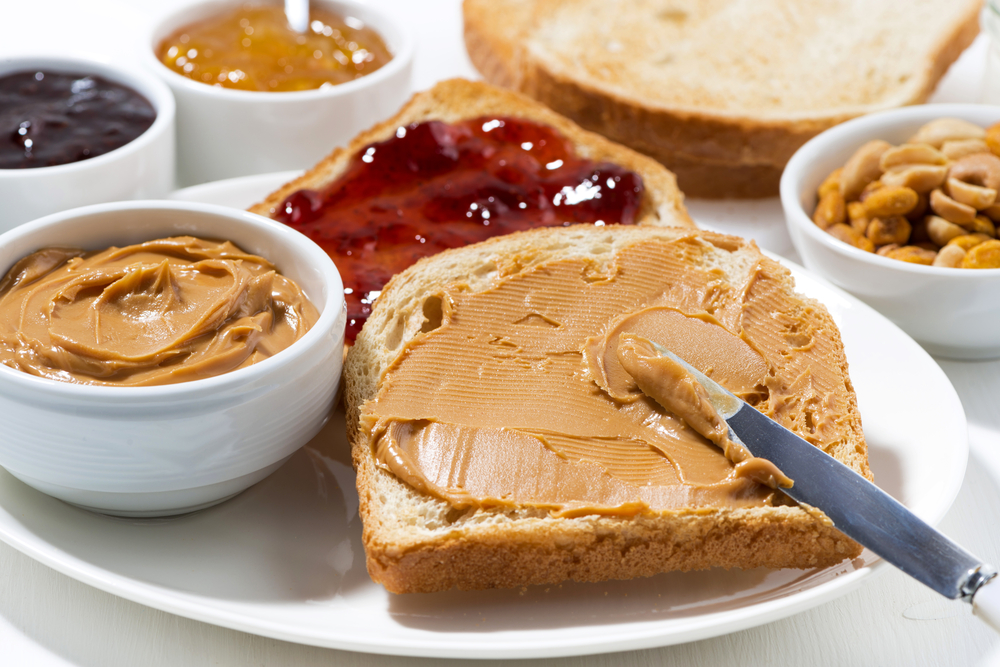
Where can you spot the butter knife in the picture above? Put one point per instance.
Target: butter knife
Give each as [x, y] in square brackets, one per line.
[858, 508]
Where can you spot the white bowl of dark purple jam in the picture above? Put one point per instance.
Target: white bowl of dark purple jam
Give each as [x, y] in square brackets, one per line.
[77, 131]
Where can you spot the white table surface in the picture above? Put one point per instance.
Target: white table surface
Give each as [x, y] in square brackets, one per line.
[50, 620]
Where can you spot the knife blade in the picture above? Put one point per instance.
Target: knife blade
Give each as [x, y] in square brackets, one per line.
[857, 508]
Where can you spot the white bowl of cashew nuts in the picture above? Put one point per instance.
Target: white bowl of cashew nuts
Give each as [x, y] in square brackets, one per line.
[929, 270]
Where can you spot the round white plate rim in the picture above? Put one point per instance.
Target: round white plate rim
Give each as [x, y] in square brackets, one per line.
[628, 636]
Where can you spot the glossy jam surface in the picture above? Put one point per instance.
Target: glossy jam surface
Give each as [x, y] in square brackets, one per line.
[49, 118]
[253, 48]
[436, 186]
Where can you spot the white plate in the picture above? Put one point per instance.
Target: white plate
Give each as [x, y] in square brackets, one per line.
[284, 559]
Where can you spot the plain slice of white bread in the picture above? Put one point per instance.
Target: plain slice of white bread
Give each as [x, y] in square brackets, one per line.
[459, 99]
[415, 542]
[733, 82]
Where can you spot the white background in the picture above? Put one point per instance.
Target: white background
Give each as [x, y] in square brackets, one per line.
[48, 619]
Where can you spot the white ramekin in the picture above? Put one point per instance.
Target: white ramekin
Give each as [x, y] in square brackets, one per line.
[154, 451]
[141, 169]
[223, 133]
[951, 312]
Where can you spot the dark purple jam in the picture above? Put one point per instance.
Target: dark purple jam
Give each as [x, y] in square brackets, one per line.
[436, 186]
[49, 118]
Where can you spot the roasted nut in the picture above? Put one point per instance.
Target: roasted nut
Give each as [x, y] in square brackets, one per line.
[975, 196]
[890, 201]
[954, 150]
[920, 210]
[986, 255]
[850, 236]
[830, 210]
[862, 168]
[949, 256]
[966, 241]
[874, 186]
[918, 177]
[941, 130]
[886, 249]
[951, 210]
[992, 212]
[832, 182]
[911, 154]
[893, 229]
[983, 225]
[857, 216]
[993, 138]
[979, 169]
[941, 231]
[913, 254]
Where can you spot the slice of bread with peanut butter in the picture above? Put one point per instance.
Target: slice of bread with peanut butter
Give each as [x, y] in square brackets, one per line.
[497, 443]
[722, 92]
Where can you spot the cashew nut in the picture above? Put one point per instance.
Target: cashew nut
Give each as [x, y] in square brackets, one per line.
[975, 196]
[892, 229]
[941, 231]
[832, 182]
[886, 249]
[967, 241]
[857, 215]
[941, 130]
[890, 201]
[983, 225]
[851, 236]
[992, 212]
[913, 254]
[918, 177]
[830, 210]
[986, 255]
[951, 210]
[949, 256]
[862, 168]
[909, 154]
[954, 150]
[979, 169]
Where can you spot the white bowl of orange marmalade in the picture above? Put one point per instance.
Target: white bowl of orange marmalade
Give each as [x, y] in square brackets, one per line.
[253, 96]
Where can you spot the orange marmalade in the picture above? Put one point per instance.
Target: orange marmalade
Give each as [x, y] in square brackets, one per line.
[252, 47]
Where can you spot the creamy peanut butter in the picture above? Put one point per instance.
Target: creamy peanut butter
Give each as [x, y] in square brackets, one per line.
[672, 386]
[160, 312]
[519, 398]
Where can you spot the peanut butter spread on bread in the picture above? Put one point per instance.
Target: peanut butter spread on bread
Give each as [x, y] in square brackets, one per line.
[516, 395]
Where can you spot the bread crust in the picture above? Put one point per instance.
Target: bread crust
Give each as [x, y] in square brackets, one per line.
[740, 152]
[459, 99]
[417, 543]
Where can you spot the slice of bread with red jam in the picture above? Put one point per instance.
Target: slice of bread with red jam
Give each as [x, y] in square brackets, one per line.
[492, 450]
[462, 162]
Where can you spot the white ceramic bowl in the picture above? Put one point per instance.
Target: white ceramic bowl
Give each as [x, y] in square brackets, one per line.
[141, 169]
[154, 451]
[951, 312]
[223, 133]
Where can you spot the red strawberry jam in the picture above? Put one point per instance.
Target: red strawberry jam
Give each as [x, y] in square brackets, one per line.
[436, 186]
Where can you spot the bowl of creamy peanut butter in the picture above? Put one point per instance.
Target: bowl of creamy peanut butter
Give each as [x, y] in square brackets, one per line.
[160, 357]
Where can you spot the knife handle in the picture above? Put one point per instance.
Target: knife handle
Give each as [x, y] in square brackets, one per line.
[986, 603]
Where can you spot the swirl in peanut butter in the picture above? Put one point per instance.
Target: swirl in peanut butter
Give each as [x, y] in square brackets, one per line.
[160, 312]
[518, 398]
